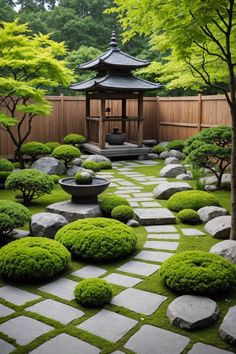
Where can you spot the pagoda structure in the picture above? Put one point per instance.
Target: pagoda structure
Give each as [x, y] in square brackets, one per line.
[112, 86]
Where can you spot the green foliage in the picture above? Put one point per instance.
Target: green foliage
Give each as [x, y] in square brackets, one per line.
[91, 165]
[105, 165]
[52, 145]
[188, 216]
[83, 177]
[97, 239]
[158, 149]
[109, 202]
[33, 259]
[191, 200]
[55, 178]
[176, 145]
[34, 149]
[32, 183]
[74, 139]
[67, 153]
[198, 272]
[17, 213]
[6, 165]
[122, 213]
[3, 176]
[197, 175]
[93, 292]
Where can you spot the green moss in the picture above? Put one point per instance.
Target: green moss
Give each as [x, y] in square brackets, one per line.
[83, 177]
[74, 139]
[55, 178]
[52, 145]
[93, 292]
[158, 149]
[176, 145]
[91, 165]
[6, 165]
[188, 216]
[108, 203]
[105, 165]
[191, 200]
[122, 213]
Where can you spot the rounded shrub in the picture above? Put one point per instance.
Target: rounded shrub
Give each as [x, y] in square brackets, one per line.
[3, 176]
[109, 202]
[6, 165]
[105, 165]
[198, 272]
[32, 183]
[188, 216]
[93, 292]
[33, 258]
[19, 215]
[34, 149]
[176, 145]
[122, 213]
[74, 139]
[55, 178]
[52, 145]
[158, 149]
[97, 239]
[67, 153]
[91, 165]
[83, 177]
[191, 200]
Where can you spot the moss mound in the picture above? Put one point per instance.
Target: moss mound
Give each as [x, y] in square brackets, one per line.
[122, 213]
[191, 200]
[198, 272]
[83, 177]
[188, 216]
[158, 149]
[18, 214]
[109, 202]
[97, 239]
[32, 259]
[93, 292]
[91, 165]
[6, 165]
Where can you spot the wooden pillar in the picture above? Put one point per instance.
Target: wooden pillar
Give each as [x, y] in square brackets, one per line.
[101, 131]
[123, 116]
[87, 114]
[199, 112]
[140, 121]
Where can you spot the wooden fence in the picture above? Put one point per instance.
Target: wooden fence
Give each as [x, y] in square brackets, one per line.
[165, 118]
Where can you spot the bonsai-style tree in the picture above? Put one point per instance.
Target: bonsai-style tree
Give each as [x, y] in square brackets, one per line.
[28, 64]
[34, 149]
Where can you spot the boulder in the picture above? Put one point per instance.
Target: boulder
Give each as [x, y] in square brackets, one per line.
[133, 223]
[172, 170]
[226, 178]
[219, 227]
[177, 154]
[152, 156]
[77, 162]
[226, 249]
[190, 312]
[228, 328]
[46, 224]
[166, 190]
[210, 212]
[164, 143]
[97, 158]
[164, 155]
[210, 188]
[73, 170]
[49, 165]
[184, 176]
[171, 160]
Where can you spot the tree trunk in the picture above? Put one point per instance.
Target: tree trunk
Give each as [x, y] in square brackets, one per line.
[233, 172]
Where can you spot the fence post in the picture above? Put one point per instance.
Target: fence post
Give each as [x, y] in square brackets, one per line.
[199, 112]
[157, 120]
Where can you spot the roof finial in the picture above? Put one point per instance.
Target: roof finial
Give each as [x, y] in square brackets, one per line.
[113, 43]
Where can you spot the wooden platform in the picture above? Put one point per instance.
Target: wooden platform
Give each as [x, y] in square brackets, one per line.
[126, 149]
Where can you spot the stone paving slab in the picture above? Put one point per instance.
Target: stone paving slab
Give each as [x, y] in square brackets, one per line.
[24, 329]
[162, 245]
[154, 340]
[16, 296]
[123, 280]
[160, 228]
[150, 204]
[153, 256]
[56, 310]
[89, 271]
[139, 268]
[201, 348]
[164, 236]
[139, 301]
[158, 216]
[62, 287]
[129, 188]
[64, 343]
[139, 179]
[115, 325]
[134, 204]
[126, 196]
[117, 352]
[5, 311]
[6, 347]
[140, 199]
[141, 194]
[125, 183]
[192, 232]
[112, 184]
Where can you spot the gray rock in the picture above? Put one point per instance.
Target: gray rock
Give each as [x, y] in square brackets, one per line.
[133, 223]
[77, 162]
[226, 249]
[18, 233]
[150, 142]
[210, 212]
[166, 190]
[74, 169]
[155, 216]
[228, 328]
[192, 312]
[97, 158]
[152, 156]
[172, 170]
[201, 348]
[171, 161]
[210, 188]
[184, 176]
[46, 224]
[219, 227]
[176, 153]
[164, 155]
[163, 143]
[49, 165]
[213, 180]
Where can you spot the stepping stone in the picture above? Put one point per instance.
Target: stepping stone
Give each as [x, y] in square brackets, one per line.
[210, 212]
[201, 348]
[129, 188]
[122, 280]
[112, 184]
[167, 189]
[219, 227]
[139, 268]
[164, 236]
[5, 311]
[171, 171]
[228, 328]
[139, 179]
[139, 301]
[62, 287]
[115, 325]
[192, 232]
[153, 256]
[56, 310]
[160, 228]
[134, 204]
[147, 194]
[226, 249]
[63, 343]
[126, 196]
[157, 216]
[192, 312]
[162, 245]
[16, 296]
[125, 183]
[140, 199]
[89, 271]
[151, 183]
[6, 347]
[24, 329]
[150, 204]
[154, 340]
[148, 162]
[117, 352]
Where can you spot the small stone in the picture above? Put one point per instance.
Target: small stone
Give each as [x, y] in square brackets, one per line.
[133, 223]
[73, 170]
[210, 212]
[171, 161]
[201, 348]
[228, 328]
[46, 224]
[164, 155]
[166, 190]
[219, 227]
[177, 154]
[210, 188]
[97, 158]
[49, 165]
[18, 234]
[77, 161]
[172, 170]
[152, 156]
[226, 249]
[184, 176]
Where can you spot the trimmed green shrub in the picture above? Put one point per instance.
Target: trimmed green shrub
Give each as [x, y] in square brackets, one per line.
[191, 200]
[19, 215]
[34, 149]
[16, 164]
[67, 153]
[97, 239]
[6, 165]
[109, 202]
[176, 145]
[33, 258]
[158, 149]
[83, 177]
[91, 165]
[32, 183]
[122, 213]
[4, 175]
[188, 216]
[105, 165]
[74, 139]
[52, 145]
[198, 272]
[55, 178]
[93, 292]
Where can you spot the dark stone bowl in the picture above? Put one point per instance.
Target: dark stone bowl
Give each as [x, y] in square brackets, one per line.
[84, 193]
[115, 139]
